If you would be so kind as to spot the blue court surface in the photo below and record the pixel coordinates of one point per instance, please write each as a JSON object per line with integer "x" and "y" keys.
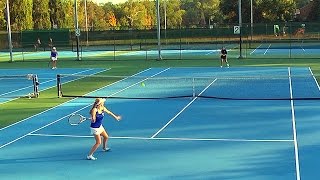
{"x": 184, "y": 138}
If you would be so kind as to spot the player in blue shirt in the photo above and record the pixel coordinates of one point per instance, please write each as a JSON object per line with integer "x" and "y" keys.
{"x": 54, "y": 57}
{"x": 97, "y": 113}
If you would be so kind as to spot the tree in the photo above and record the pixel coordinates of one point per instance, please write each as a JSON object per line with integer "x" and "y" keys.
{"x": 173, "y": 12}
{"x": 314, "y": 14}
{"x": 21, "y": 18}
{"x": 149, "y": 15}
{"x": 276, "y": 10}
{"x": 264, "y": 11}
{"x": 133, "y": 13}
{"x": 41, "y": 15}
{"x": 192, "y": 15}
{"x": 111, "y": 19}
{"x": 301, "y": 3}
{"x": 3, "y": 18}
{"x": 62, "y": 13}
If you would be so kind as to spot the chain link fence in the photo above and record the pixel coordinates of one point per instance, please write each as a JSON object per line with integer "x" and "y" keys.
{"x": 277, "y": 40}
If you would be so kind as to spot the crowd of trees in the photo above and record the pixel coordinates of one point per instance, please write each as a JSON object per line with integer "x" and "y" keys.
{"x": 141, "y": 14}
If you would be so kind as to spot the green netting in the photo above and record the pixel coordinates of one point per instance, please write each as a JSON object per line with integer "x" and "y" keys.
{"x": 48, "y": 38}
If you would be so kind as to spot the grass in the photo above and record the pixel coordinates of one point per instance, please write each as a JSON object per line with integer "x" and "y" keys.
{"x": 19, "y": 109}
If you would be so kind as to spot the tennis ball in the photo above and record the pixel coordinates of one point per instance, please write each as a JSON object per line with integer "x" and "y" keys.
{"x": 142, "y": 84}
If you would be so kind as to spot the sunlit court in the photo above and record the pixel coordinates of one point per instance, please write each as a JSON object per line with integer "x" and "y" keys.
{"x": 200, "y": 123}
{"x": 159, "y": 89}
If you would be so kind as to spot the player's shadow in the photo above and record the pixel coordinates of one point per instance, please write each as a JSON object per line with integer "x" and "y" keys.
{"x": 53, "y": 158}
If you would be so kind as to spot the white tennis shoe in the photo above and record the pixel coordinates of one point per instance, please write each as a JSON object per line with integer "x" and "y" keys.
{"x": 106, "y": 149}
{"x": 91, "y": 158}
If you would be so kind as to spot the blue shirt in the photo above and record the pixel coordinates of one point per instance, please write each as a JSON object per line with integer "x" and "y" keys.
{"x": 54, "y": 53}
{"x": 98, "y": 122}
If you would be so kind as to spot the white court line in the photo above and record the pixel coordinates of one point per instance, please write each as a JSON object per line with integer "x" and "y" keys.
{"x": 267, "y": 49}
{"x": 33, "y": 132}
{"x": 296, "y": 150}
{"x": 314, "y": 78}
{"x": 154, "y": 135}
{"x": 256, "y": 49}
{"x": 62, "y": 117}
{"x": 168, "y": 138}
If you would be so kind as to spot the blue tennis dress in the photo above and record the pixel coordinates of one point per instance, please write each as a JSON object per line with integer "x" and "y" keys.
{"x": 98, "y": 122}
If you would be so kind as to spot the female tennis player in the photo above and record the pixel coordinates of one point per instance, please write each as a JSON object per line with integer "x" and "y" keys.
{"x": 223, "y": 56}
{"x": 97, "y": 113}
{"x": 54, "y": 57}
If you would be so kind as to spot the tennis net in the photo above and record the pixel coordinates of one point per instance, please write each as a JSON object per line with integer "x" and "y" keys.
{"x": 237, "y": 88}
{"x": 26, "y": 85}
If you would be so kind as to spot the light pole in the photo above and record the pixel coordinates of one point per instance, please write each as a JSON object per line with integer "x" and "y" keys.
{"x": 251, "y": 10}
{"x": 76, "y": 26}
{"x": 165, "y": 20}
{"x": 86, "y": 16}
{"x": 158, "y": 30}
{"x": 240, "y": 25}
{"x": 9, "y": 31}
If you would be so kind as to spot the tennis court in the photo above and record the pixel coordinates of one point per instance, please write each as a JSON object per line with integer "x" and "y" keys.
{"x": 237, "y": 133}
{"x": 185, "y": 51}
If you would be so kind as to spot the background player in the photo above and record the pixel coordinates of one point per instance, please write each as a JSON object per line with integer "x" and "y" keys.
{"x": 223, "y": 56}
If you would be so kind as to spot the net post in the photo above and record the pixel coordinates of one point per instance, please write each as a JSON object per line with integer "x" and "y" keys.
{"x": 59, "y": 85}
{"x": 36, "y": 83}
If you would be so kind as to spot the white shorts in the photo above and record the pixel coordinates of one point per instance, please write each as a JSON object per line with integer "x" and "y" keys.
{"x": 97, "y": 131}
{"x": 54, "y": 58}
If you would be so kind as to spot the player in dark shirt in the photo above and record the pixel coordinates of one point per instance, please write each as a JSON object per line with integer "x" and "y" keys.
{"x": 223, "y": 56}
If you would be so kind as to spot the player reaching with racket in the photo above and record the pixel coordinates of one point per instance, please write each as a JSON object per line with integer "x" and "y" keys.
{"x": 223, "y": 56}
{"x": 97, "y": 113}
{"x": 54, "y": 57}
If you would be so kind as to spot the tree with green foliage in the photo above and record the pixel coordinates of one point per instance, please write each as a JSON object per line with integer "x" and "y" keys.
{"x": 276, "y": 10}
{"x": 149, "y": 15}
{"x": 110, "y": 17}
{"x": 62, "y": 13}
{"x": 133, "y": 13}
{"x": 21, "y": 18}
{"x": 174, "y": 13}
{"x": 41, "y": 15}
{"x": 264, "y": 11}
{"x": 3, "y": 18}
{"x": 192, "y": 14}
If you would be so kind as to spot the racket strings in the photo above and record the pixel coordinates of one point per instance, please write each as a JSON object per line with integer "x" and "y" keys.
{"x": 76, "y": 119}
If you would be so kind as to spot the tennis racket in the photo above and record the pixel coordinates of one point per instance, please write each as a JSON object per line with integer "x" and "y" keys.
{"x": 76, "y": 119}
{"x": 49, "y": 63}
